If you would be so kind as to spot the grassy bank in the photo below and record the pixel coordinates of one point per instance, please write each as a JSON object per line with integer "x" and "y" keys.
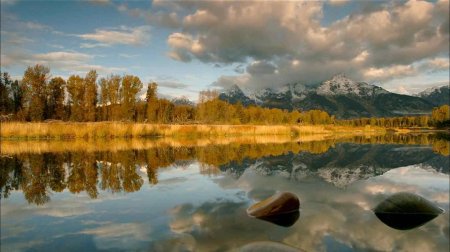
{"x": 101, "y": 130}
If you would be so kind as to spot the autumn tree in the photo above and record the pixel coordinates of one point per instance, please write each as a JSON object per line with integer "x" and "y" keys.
{"x": 441, "y": 116}
{"x": 104, "y": 99}
{"x": 56, "y": 94}
{"x": 90, "y": 96}
{"x": 164, "y": 111}
{"x": 131, "y": 85}
{"x": 151, "y": 102}
{"x": 75, "y": 89}
{"x": 113, "y": 89}
{"x": 35, "y": 81}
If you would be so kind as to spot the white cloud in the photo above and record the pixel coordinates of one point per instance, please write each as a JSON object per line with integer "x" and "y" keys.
{"x": 93, "y": 45}
{"x": 338, "y": 2}
{"x": 387, "y": 41}
{"x": 389, "y": 72}
{"x": 124, "y": 35}
{"x": 62, "y": 56}
{"x": 69, "y": 61}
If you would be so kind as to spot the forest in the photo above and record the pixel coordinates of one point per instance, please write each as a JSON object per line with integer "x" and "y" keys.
{"x": 39, "y": 97}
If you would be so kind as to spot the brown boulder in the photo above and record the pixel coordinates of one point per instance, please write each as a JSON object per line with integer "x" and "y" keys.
{"x": 280, "y": 203}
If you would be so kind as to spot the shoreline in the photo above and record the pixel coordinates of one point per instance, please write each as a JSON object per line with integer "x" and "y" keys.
{"x": 316, "y": 143}
{"x": 20, "y": 131}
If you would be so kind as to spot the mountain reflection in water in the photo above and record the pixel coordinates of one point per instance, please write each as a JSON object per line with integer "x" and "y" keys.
{"x": 192, "y": 195}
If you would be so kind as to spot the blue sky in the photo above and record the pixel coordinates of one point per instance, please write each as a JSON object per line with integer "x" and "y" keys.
{"x": 190, "y": 46}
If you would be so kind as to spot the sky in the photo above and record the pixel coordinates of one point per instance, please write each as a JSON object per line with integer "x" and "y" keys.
{"x": 189, "y": 46}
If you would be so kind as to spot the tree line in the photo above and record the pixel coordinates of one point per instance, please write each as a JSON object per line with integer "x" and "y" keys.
{"x": 38, "y": 97}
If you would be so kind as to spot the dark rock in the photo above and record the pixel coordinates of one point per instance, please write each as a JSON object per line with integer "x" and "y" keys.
{"x": 267, "y": 246}
{"x": 284, "y": 220}
{"x": 280, "y": 203}
{"x": 405, "y": 211}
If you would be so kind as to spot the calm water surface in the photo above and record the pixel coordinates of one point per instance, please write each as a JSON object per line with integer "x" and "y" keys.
{"x": 193, "y": 197}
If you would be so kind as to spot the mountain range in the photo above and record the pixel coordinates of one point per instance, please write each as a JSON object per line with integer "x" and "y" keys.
{"x": 339, "y": 96}
{"x": 436, "y": 95}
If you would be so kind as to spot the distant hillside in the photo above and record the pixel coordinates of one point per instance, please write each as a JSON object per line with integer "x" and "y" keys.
{"x": 437, "y": 95}
{"x": 339, "y": 96}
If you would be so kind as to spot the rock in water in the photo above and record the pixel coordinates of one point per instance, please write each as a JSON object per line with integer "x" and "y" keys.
{"x": 280, "y": 203}
{"x": 405, "y": 211}
{"x": 267, "y": 246}
{"x": 284, "y": 220}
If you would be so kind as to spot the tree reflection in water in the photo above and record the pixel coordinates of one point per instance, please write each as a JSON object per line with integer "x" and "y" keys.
{"x": 38, "y": 172}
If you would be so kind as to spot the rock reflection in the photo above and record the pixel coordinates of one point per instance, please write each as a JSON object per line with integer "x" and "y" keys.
{"x": 267, "y": 246}
{"x": 406, "y": 211}
{"x": 284, "y": 220}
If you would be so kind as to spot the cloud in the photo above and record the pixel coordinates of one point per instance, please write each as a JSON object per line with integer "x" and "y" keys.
{"x": 289, "y": 39}
{"x": 435, "y": 65}
{"x": 239, "y": 69}
{"x": 172, "y": 84}
{"x": 389, "y": 72}
{"x": 337, "y": 2}
{"x": 10, "y": 22}
{"x": 160, "y": 18}
{"x": 70, "y": 61}
{"x": 261, "y": 67}
{"x": 93, "y": 45}
{"x": 100, "y": 2}
{"x": 128, "y": 56}
{"x": 8, "y": 2}
{"x": 123, "y": 35}
{"x": 59, "y": 56}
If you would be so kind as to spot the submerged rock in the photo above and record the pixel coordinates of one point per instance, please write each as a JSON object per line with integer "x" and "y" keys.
{"x": 278, "y": 204}
{"x": 405, "y": 211}
{"x": 267, "y": 246}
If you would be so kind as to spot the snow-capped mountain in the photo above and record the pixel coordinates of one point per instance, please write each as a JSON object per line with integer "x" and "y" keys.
{"x": 338, "y": 96}
{"x": 436, "y": 95}
{"x": 234, "y": 95}
{"x": 341, "y": 85}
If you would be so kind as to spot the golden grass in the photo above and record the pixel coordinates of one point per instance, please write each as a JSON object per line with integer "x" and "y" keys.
{"x": 96, "y": 130}
{"x": 316, "y": 143}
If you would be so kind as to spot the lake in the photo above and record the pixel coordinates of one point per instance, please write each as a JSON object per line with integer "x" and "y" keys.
{"x": 192, "y": 194}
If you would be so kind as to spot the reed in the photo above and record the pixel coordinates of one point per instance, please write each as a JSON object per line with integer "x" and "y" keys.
{"x": 110, "y": 130}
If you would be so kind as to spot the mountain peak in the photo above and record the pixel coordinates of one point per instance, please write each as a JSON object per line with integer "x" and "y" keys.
{"x": 436, "y": 95}
{"x": 342, "y": 85}
{"x": 233, "y": 90}
{"x": 431, "y": 90}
